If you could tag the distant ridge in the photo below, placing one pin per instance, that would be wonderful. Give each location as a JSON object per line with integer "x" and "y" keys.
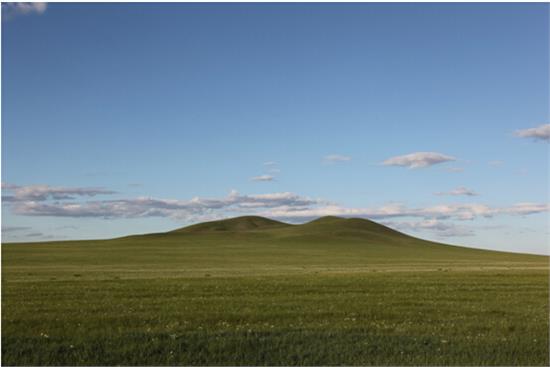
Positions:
{"x": 349, "y": 224}
{"x": 359, "y": 236}
{"x": 238, "y": 224}
{"x": 253, "y": 241}
{"x": 320, "y": 228}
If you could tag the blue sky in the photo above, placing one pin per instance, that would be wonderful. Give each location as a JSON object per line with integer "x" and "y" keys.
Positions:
{"x": 132, "y": 118}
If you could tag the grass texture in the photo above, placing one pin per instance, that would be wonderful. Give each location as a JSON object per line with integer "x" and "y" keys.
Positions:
{"x": 252, "y": 291}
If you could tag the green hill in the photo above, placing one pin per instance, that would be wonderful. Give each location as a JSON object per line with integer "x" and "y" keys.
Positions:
{"x": 239, "y": 224}
{"x": 252, "y": 245}
{"x": 254, "y": 291}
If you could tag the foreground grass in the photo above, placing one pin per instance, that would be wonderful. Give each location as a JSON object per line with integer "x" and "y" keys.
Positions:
{"x": 401, "y": 318}
{"x": 250, "y": 291}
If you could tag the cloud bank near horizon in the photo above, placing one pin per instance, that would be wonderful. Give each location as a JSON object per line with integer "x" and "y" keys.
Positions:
{"x": 44, "y": 200}
{"x": 45, "y": 192}
{"x": 459, "y": 191}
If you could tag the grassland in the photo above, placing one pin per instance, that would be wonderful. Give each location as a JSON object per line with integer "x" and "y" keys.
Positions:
{"x": 250, "y": 291}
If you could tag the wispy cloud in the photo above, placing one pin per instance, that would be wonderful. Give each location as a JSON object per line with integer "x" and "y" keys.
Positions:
{"x": 541, "y": 132}
{"x": 39, "y": 236}
{"x": 10, "y": 10}
{"x": 34, "y": 234}
{"x": 495, "y": 163}
{"x": 455, "y": 169}
{"x": 281, "y": 205}
{"x": 263, "y": 178}
{"x": 66, "y": 227}
{"x": 45, "y": 192}
{"x": 8, "y": 186}
{"x": 439, "y": 228}
{"x": 192, "y": 209}
{"x": 336, "y": 158}
{"x": 29, "y": 234}
{"x": 444, "y": 211}
{"x": 459, "y": 191}
{"x": 272, "y": 168}
{"x": 418, "y": 160}
{"x": 11, "y": 229}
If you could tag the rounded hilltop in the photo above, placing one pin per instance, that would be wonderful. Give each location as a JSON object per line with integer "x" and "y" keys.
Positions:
{"x": 322, "y": 225}
{"x": 244, "y": 223}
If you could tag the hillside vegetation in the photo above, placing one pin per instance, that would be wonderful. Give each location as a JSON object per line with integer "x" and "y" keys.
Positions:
{"x": 251, "y": 290}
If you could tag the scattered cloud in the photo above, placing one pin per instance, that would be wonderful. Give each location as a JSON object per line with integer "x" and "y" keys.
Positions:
{"x": 45, "y": 192}
{"x": 7, "y": 186}
{"x": 271, "y": 168}
{"x": 525, "y": 209}
{"x": 11, "y": 229}
{"x": 66, "y": 227}
{"x": 280, "y": 205}
{"x": 439, "y": 228}
{"x": 34, "y": 234}
{"x": 263, "y": 178}
{"x": 455, "y": 169}
{"x": 453, "y": 211}
{"x": 541, "y": 132}
{"x": 442, "y": 229}
{"x": 459, "y": 191}
{"x": 192, "y": 209}
{"x": 418, "y": 160}
{"x": 336, "y": 158}
{"x": 39, "y": 236}
{"x": 10, "y": 10}
{"x": 26, "y": 234}
{"x": 522, "y": 172}
{"x": 495, "y": 163}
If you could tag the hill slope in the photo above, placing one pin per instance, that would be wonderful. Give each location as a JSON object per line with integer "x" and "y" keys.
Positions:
{"x": 252, "y": 246}
{"x": 252, "y": 291}
{"x": 239, "y": 224}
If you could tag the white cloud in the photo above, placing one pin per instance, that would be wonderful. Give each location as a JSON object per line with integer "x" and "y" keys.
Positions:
{"x": 263, "y": 178}
{"x": 48, "y": 201}
{"x": 45, "y": 192}
{"x": 541, "y": 132}
{"x": 433, "y": 225}
{"x": 495, "y": 163}
{"x": 335, "y": 158}
{"x": 525, "y": 209}
{"x": 418, "y": 160}
{"x": 150, "y": 207}
{"x": 454, "y": 211}
{"x": 10, "y": 10}
{"x": 10, "y": 229}
{"x": 459, "y": 191}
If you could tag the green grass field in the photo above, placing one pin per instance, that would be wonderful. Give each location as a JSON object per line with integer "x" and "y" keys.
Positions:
{"x": 250, "y": 291}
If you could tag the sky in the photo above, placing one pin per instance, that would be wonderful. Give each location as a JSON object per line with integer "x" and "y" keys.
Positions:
{"x": 132, "y": 118}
